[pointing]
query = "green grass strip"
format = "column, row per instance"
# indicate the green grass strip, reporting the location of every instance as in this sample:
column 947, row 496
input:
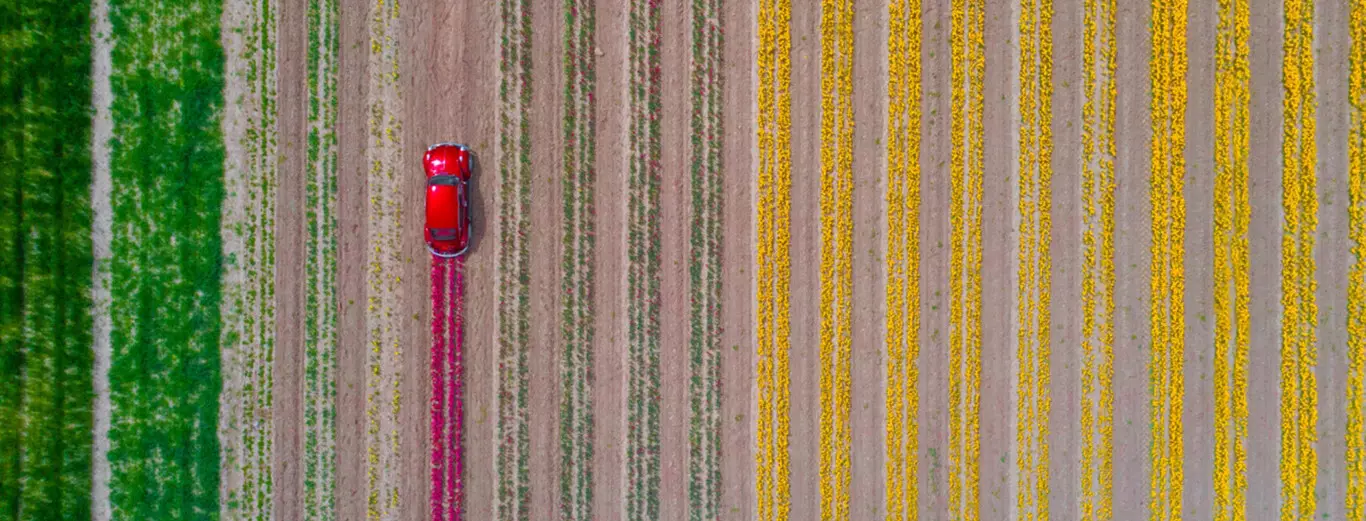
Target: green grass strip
column 704, row 265
column 514, row 263
column 576, row 371
column 167, row 178
column 320, row 307
column 642, row 274
column 45, row 261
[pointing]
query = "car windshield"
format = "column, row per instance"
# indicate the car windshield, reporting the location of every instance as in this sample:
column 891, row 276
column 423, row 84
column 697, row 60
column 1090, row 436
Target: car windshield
column 443, row 180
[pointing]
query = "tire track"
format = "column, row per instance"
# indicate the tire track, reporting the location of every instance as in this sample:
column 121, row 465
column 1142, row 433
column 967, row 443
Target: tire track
column 248, row 229
column 1098, row 281
column 966, row 168
column 514, row 263
column 837, row 227
column 705, row 263
column 642, row 255
column 1168, row 76
column 1035, row 264
column 1299, row 199
column 577, row 326
column 1232, row 260
column 773, row 499
column 384, row 260
column 903, row 259
column 320, row 254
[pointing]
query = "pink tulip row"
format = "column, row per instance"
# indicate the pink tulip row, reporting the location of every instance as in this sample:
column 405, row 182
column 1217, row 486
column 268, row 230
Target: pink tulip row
column 448, row 403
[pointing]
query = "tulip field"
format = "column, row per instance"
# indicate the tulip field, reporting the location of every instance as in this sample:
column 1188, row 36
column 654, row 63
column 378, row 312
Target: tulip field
column 894, row 260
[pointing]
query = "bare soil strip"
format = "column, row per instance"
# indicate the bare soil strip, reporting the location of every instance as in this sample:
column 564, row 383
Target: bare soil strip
column 102, row 131
column 248, row 335
column 514, row 264
column 385, row 261
column 643, row 261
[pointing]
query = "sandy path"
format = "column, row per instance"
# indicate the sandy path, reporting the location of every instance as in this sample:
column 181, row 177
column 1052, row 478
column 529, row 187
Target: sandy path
column 804, row 442
column 998, row 285
column 102, row 129
column 868, row 405
column 1198, row 420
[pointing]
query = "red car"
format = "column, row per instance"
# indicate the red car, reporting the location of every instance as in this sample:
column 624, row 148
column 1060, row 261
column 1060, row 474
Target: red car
column 448, row 168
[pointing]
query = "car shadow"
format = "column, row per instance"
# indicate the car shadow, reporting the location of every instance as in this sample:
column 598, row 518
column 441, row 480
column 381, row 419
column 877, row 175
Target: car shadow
column 477, row 221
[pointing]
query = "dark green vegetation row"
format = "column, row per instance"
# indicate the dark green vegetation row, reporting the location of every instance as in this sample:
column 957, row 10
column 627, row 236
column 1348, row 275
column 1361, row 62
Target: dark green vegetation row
column 704, row 265
column 576, row 360
column 514, row 262
column 642, row 273
column 167, row 182
column 45, row 260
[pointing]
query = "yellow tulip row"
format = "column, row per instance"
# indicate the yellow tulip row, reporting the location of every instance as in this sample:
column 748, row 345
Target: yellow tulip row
column 903, row 257
column 966, row 172
column 1168, row 75
column 1034, row 257
column 1356, row 285
column 1098, row 281
column 774, row 205
column 1232, row 211
column 1299, row 396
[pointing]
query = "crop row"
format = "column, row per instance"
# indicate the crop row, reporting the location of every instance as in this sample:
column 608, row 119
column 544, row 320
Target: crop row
column 514, row 263
column 448, row 396
column 903, row 258
column 45, row 276
column 1098, row 260
column 1299, row 390
column 1232, row 261
column 384, row 263
column 774, row 266
column 248, row 338
column 320, row 254
column 166, row 170
column 576, row 361
column 642, row 273
column 1356, row 284
column 837, row 230
column 967, row 168
column 1035, row 257
column 704, row 265
column 1168, row 76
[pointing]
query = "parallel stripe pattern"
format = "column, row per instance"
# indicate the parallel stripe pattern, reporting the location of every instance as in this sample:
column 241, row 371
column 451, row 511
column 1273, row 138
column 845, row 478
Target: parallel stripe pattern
column 966, row 171
column 1035, row 265
column 1356, row 283
column 1168, row 76
column 1299, row 319
column 320, row 254
column 384, row 264
column 1098, row 264
column 704, row 265
column 837, row 238
column 45, row 261
column 249, row 283
column 576, row 287
column 167, row 84
column 903, row 259
column 448, row 397
column 1098, row 260
column 514, row 263
column 642, row 263
column 1232, row 260
column 774, row 205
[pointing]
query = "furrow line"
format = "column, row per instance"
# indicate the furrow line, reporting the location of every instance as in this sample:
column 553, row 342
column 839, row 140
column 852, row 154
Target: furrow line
column 168, row 93
column 1232, row 212
column 704, row 266
column 903, row 259
column 514, row 263
column 1035, row 271
column 1299, row 388
column 385, row 260
column 774, row 64
column 1098, row 280
column 576, row 407
column 966, row 170
column 642, row 260
column 320, row 306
